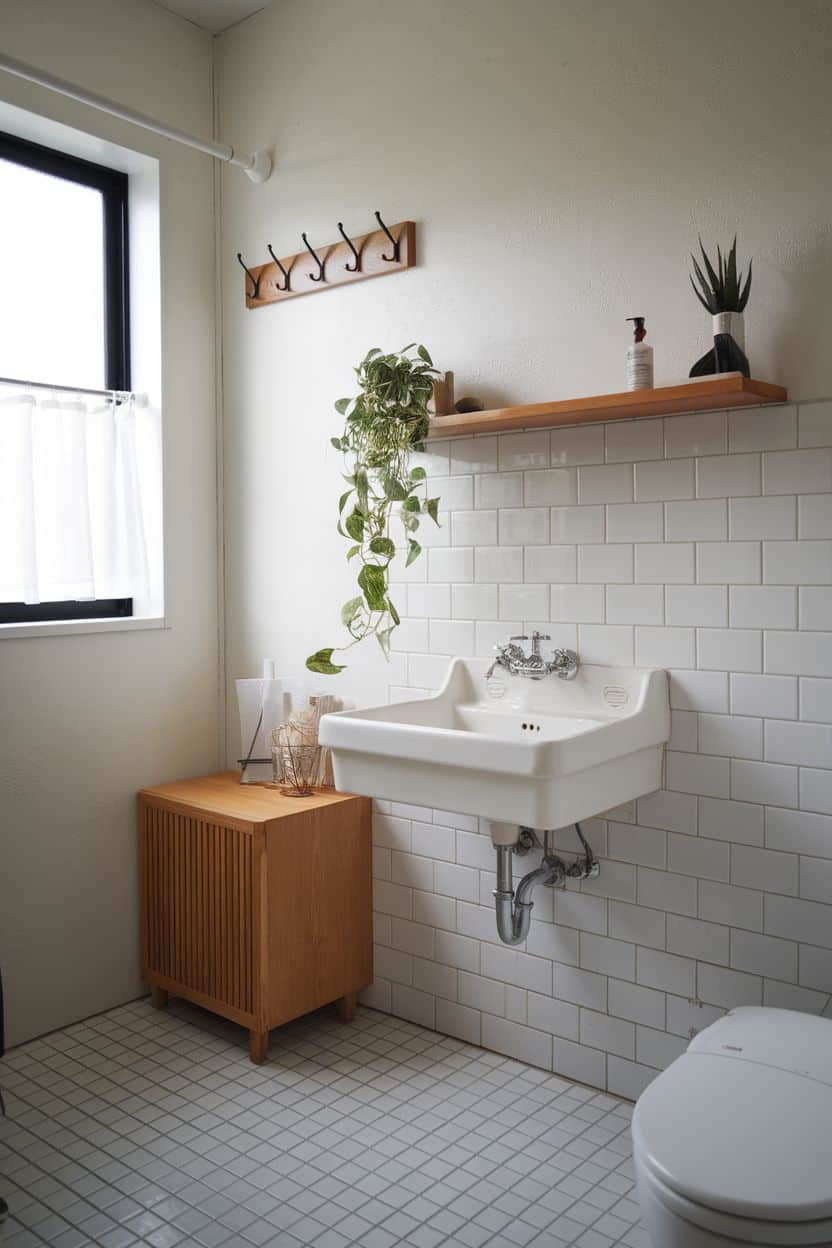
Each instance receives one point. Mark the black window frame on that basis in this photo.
(112, 184)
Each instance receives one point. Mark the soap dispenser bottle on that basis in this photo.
(639, 358)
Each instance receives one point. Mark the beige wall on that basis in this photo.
(559, 160)
(87, 720)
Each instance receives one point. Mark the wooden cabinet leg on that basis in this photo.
(158, 997)
(345, 1007)
(258, 1046)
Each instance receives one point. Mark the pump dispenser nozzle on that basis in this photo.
(639, 332)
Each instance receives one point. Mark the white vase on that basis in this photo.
(732, 323)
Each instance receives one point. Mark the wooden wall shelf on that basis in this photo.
(702, 395)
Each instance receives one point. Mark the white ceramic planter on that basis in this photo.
(732, 323)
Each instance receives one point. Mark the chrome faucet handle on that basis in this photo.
(505, 655)
(536, 640)
(565, 664)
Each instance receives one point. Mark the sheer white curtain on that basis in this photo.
(71, 523)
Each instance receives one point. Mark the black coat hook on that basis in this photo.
(320, 274)
(255, 281)
(351, 268)
(394, 259)
(286, 276)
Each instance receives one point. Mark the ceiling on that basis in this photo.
(214, 15)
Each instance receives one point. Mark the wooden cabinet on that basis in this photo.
(255, 905)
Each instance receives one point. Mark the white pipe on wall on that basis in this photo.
(258, 166)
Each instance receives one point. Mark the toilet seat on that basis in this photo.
(739, 1130)
(814, 1234)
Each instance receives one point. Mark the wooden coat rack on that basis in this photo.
(385, 250)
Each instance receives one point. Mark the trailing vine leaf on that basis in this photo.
(384, 423)
(354, 524)
(384, 636)
(350, 610)
(394, 490)
(373, 581)
(321, 661)
(383, 546)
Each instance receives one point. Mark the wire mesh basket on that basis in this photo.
(296, 757)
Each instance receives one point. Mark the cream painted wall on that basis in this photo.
(85, 721)
(560, 160)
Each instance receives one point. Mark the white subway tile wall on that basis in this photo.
(702, 544)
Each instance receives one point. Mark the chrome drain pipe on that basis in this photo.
(513, 907)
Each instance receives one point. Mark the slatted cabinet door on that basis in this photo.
(198, 902)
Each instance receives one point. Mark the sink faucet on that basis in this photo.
(515, 660)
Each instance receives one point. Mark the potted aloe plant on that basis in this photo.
(384, 424)
(724, 294)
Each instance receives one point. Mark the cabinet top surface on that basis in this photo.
(223, 795)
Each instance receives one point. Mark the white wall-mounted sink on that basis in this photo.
(542, 753)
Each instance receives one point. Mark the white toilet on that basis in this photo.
(733, 1142)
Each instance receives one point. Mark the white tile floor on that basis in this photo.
(145, 1127)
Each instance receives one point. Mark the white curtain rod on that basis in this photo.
(118, 395)
(258, 166)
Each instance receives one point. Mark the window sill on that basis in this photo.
(66, 628)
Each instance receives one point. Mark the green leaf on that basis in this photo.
(342, 501)
(746, 290)
(411, 503)
(705, 305)
(362, 486)
(423, 355)
(432, 508)
(707, 296)
(353, 551)
(418, 473)
(413, 552)
(410, 521)
(342, 405)
(321, 661)
(715, 281)
(371, 580)
(394, 615)
(394, 489)
(383, 546)
(354, 524)
(350, 610)
(336, 442)
(383, 638)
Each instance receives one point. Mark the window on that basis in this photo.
(64, 321)
(64, 236)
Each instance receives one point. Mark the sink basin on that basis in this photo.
(541, 753)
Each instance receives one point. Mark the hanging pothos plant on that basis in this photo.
(385, 422)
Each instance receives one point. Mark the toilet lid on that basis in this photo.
(741, 1125)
